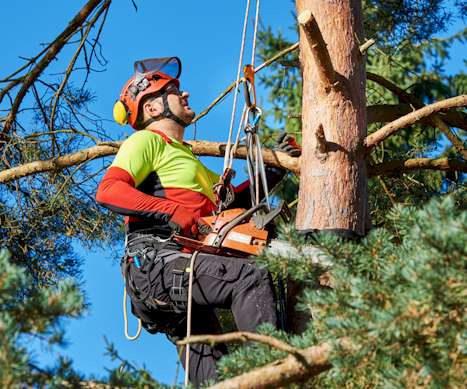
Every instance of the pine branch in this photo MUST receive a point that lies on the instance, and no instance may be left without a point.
(214, 149)
(406, 120)
(286, 371)
(201, 148)
(383, 113)
(54, 49)
(443, 164)
(436, 120)
(242, 337)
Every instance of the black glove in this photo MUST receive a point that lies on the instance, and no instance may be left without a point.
(287, 144)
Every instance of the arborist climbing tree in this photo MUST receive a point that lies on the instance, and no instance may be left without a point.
(163, 189)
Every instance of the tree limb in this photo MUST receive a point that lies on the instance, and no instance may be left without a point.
(406, 120)
(201, 148)
(443, 164)
(216, 149)
(383, 113)
(407, 97)
(242, 337)
(54, 49)
(318, 48)
(285, 371)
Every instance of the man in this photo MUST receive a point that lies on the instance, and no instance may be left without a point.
(160, 186)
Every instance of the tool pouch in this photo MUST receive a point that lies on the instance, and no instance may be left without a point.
(137, 264)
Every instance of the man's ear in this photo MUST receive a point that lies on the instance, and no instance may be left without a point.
(152, 108)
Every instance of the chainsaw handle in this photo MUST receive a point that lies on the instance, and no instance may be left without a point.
(230, 225)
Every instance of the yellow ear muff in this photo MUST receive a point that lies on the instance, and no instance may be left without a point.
(121, 113)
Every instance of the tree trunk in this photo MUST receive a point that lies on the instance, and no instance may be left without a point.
(333, 179)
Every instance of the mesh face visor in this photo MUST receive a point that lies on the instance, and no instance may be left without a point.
(171, 66)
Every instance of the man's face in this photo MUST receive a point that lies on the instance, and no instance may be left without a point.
(178, 103)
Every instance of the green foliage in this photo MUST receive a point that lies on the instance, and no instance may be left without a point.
(398, 296)
(395, 21)
(38, 315)
(129, 375)
(35, 315)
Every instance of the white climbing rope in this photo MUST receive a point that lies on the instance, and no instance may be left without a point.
(237, 81)
(188, 314)
(253, 50)
(125, 320)
(230, 150)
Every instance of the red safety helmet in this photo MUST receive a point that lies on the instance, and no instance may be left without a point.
(151, 76)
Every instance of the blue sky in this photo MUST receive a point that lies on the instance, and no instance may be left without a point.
(206, 36)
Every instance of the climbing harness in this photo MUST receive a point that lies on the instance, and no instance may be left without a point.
(140, 252)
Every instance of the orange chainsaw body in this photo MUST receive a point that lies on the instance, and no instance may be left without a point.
(242, 239)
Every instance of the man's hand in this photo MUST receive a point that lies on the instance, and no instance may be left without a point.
(184, 222)
(287, 144)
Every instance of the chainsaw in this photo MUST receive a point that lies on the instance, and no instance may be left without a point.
(238, 231)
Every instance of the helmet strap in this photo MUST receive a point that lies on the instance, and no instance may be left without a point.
(165, 114)
(169, 114)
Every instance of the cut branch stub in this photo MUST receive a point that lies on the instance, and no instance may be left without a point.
(367, 45)
(318, 48)
(321, 148)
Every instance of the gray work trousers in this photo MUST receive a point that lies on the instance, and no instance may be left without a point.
(219, 282)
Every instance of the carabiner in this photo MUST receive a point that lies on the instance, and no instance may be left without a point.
(254, 115)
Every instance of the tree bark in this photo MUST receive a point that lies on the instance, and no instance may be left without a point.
(333, 185)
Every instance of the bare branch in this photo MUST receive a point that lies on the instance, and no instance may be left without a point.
(54, 49)
(242, 337)
(213, 149)
(321, 146)
(318, 48)
(59, 163)
(383, 113)
(280, 54)
(274, 58)
(71, 65)
(407, 97)
(443, 164)
(389, 129)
